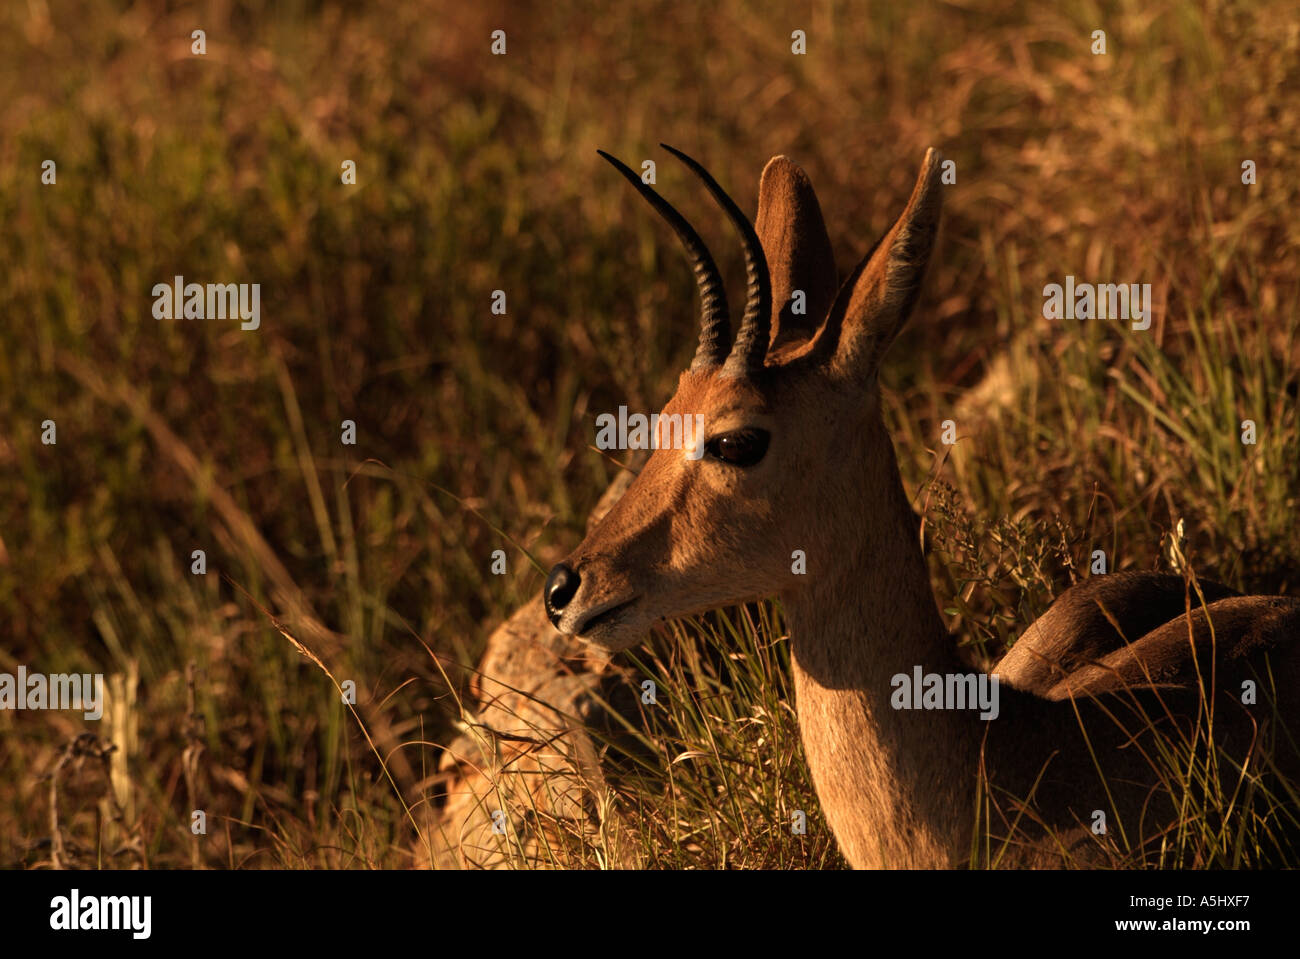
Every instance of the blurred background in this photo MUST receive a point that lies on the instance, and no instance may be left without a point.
(477, 173)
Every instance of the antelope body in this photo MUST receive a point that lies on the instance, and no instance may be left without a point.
(796, 457)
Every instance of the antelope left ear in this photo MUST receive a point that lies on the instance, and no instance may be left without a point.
(877, 298)
(790, 227)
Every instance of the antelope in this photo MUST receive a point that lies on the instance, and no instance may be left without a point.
(796, 457)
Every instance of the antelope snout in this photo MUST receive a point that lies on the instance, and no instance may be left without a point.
(561, 585)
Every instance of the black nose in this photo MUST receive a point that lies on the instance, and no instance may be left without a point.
(560, 587)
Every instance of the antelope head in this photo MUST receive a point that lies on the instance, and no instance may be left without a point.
(793, 444)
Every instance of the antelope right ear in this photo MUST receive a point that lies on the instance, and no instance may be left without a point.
(877, 298)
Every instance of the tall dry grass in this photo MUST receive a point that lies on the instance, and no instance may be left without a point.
(478, 173)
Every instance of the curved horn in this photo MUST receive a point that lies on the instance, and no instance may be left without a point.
(715, 326)
(751, 339)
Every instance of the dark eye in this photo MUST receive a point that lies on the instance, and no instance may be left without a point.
(739, 448)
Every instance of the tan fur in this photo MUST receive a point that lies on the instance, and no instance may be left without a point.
(899, 787)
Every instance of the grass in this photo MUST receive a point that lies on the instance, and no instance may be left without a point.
(479, 173)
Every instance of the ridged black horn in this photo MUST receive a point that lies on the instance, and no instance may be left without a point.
(751, 339)
(715, 325)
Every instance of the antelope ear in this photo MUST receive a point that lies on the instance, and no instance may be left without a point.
(877, 298)
(798, 251)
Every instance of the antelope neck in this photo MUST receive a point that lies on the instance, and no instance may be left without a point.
(893, 783)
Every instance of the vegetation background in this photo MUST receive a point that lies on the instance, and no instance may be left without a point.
(478, 172)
